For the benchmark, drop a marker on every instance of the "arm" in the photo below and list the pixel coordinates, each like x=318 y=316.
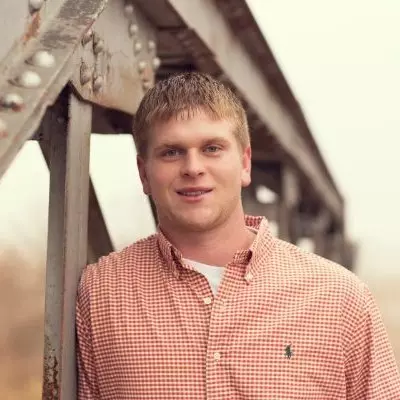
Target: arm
x=371 y=371
x=87 y=378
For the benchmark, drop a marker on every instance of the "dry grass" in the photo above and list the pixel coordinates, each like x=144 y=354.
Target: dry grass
x=21 y=329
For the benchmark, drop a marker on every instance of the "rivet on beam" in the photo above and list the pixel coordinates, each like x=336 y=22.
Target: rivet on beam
x=85 y=74
x=87 y=37
x=138 y=47
x=42 y=58
x=129 y=9
x=97 y=83
x=28 y=79
x=142 y=66
x=156 y=63
x=151 y=45
x=133 y=29
x=98 y=46
x=35 y=5
x=146 y=85
x=96 y=38
x=12 y=101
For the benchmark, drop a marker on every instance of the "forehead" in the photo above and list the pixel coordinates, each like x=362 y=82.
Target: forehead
x=190 y=129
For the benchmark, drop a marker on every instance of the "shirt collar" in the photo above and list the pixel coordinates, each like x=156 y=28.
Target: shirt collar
x=251 y=259
x=262 y=246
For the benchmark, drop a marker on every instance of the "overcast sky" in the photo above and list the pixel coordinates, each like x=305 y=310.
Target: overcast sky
x=342 y=59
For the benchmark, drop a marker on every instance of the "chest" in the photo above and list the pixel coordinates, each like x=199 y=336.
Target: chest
x=190 y=344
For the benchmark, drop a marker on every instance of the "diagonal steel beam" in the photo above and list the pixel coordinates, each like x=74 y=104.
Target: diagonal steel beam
x=37 y=71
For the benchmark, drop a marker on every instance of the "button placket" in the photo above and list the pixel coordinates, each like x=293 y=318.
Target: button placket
x=198 y=283
x=221 y=323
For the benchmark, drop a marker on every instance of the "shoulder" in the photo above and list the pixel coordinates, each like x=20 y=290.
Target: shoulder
x=121 y=265
x=311 y=273
x=326 y=287
x=306 y=266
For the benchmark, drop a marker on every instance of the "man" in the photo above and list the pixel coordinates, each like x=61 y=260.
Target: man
x=213 y=306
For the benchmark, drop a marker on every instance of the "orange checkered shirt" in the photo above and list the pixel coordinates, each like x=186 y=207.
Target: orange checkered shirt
x=285 y=324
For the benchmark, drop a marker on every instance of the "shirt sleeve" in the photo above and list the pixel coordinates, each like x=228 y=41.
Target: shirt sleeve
x=87 y=377
x=371 y=370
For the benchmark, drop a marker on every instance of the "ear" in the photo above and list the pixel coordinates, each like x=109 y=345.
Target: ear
x=141 y=165
x=246 y=167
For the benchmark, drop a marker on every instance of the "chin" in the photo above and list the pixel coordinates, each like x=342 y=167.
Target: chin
x=198 y=223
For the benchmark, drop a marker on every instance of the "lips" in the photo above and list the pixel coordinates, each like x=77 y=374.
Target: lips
x=193 y=192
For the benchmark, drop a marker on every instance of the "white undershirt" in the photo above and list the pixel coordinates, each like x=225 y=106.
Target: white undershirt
x=211 y=272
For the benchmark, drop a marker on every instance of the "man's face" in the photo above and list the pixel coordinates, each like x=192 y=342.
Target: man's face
x=194 y=171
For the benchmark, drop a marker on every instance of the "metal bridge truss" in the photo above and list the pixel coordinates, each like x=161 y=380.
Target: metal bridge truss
x=72 y=67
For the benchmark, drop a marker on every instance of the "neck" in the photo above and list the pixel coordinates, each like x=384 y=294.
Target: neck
x=213 y=247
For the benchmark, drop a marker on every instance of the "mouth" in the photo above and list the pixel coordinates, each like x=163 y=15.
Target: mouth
x=193 y=192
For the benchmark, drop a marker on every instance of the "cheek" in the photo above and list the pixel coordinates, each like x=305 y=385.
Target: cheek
x=230 y=173
x=161 y=178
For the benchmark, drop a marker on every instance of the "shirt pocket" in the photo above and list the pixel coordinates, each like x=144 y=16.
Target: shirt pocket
x=289 y=357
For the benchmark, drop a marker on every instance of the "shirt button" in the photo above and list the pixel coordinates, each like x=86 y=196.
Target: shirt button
x=248 y=277
x=217 y=356
x=207 y=300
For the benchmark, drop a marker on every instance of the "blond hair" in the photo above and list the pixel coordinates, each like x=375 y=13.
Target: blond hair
x=183 y=95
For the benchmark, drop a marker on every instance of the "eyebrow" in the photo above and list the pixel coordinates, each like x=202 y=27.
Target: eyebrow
x=174 y=145
x=165 y=146
x=217 y=139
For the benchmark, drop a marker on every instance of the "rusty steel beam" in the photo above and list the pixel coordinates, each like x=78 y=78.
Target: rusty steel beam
x=320 y=229
x=67 y=246
x=289 y=198
x=249 y=33
x=203 y=18
x=13 y=23
x=253 y=207
x=118 y=59
x=38 y=67
x=99 y=239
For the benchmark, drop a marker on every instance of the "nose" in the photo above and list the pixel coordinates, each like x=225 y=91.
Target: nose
x=192 y=165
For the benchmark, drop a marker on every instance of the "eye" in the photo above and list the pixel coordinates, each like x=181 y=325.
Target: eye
x=212 y=149
x=171 y=153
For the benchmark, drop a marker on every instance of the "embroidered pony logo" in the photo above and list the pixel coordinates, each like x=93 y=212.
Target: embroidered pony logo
x=288 y=351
